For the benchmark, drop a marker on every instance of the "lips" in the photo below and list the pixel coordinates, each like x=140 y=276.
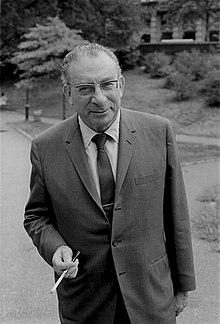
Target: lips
x=99 y=111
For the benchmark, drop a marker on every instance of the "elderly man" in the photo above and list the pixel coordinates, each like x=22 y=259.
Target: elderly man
x=107 y=182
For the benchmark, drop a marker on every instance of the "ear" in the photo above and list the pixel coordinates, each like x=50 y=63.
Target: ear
x=121 y=84
x=68 y=93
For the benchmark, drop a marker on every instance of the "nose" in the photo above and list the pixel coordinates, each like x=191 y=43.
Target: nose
x=98 y=96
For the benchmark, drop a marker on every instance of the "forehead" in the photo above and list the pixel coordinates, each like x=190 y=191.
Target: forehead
x=94 y=68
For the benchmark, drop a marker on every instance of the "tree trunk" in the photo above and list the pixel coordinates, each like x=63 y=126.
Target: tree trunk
x=207 y=27
x=64 y=107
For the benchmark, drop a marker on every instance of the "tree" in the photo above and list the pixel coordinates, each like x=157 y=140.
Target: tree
x=39 y=56
x=109 y=22
x=112 y=23
x=16 y=19
x=184 y=11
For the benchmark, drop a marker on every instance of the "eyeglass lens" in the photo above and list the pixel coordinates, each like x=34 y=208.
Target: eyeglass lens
x=89 y=89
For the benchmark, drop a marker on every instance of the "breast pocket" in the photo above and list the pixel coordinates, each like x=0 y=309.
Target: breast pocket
x=150 y=182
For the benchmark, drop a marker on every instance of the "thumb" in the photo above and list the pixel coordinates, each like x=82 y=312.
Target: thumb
x=66 y=254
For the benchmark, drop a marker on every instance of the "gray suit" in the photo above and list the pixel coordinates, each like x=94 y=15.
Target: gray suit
x=147 y=249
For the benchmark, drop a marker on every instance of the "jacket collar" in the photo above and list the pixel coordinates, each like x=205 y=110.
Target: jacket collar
x=75 y=149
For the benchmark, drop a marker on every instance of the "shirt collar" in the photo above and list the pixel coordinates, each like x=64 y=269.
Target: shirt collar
x=88 y=133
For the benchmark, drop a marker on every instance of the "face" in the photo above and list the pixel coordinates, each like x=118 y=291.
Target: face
x=99 y=109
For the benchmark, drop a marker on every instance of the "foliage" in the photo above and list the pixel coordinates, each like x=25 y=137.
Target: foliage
x=17 y=17
x=110 y=22
x=209 y=194
x=129 y=56
x=206 y=223
x=210 y=85
x=211 y=88
x=157 y=64
x=42 y=50
x=189 y=69
x=182 y=84
x=185 y=11
x=192 y=64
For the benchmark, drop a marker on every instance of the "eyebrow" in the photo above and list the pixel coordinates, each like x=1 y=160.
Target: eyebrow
x=106 y=79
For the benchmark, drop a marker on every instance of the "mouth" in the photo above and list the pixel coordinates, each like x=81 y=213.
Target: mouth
x=100 y=112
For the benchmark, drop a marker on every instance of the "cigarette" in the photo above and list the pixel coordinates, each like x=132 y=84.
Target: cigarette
x=62 y=275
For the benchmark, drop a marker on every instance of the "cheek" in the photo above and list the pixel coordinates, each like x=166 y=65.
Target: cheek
x=80 y=107
x=116 y=100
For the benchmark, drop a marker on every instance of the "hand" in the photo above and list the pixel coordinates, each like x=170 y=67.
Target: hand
x=181 y=301
x=62 y=260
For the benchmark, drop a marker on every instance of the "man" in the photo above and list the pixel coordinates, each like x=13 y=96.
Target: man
x=135 y=263
x=3 y=100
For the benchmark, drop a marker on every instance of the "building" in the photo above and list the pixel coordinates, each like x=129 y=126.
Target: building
x=158 y=30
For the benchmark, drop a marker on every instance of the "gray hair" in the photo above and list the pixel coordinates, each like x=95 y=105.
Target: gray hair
x=89 y=50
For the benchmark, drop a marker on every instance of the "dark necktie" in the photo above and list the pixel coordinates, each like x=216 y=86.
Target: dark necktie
x=106 y=178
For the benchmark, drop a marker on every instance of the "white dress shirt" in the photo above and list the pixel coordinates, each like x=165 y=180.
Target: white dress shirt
x=111 y=147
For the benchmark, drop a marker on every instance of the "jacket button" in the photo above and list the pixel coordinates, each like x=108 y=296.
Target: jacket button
x=115 y=243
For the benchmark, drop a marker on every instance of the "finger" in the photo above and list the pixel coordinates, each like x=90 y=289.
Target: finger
x=66 y=255
x=60 y=259
x=178 y=310
x=73 y=270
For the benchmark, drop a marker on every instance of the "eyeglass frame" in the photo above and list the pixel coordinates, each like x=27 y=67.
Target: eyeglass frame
x=92 y=85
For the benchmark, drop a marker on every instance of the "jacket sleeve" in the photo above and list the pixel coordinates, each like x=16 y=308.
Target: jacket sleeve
x=39 y=218
x=176 y=221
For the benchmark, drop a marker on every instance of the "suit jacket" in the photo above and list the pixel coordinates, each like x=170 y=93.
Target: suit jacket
x=147 y=250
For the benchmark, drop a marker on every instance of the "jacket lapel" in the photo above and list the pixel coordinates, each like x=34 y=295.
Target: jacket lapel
x=77 y=154
x=76 y=151
x=127 y=142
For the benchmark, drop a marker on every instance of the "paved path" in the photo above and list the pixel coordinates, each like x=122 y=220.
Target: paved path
x=26 y=279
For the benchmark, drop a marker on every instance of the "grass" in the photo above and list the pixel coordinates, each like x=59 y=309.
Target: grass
x=206 y=223
x=210 y=194
x=31 y=128
x=141 y=93
x=188 y=152
x=195 y=153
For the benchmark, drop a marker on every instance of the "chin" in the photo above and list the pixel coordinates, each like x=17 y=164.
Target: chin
x=102 y=125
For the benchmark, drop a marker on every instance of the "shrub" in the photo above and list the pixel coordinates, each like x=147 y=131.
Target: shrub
x=182 y=84
x=206 y=222
x=209 y=194
x=170 y=81
x=193 y=64
x=157 y=64
x=128 y=58
x=211 y=87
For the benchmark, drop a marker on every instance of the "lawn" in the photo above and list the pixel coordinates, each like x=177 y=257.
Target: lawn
x=189 y=152
x=141 y=93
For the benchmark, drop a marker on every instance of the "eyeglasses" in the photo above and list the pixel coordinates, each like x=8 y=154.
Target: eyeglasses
x=87 y=90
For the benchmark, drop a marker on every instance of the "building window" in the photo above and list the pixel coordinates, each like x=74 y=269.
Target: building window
x=189 y=35
x=214 y=36
x=163 y=18
x=145 y=38
x=167 y=35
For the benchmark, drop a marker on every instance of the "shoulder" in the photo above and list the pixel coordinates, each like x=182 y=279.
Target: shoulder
x=143 y=119
x=58 y=132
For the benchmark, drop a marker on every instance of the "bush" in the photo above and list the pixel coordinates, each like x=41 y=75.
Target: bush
x=193 y=64
x=211 y=83
x=128 y=58
x=206 y=222
x=157 y=64
x=170 y=81
x=182 y=84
